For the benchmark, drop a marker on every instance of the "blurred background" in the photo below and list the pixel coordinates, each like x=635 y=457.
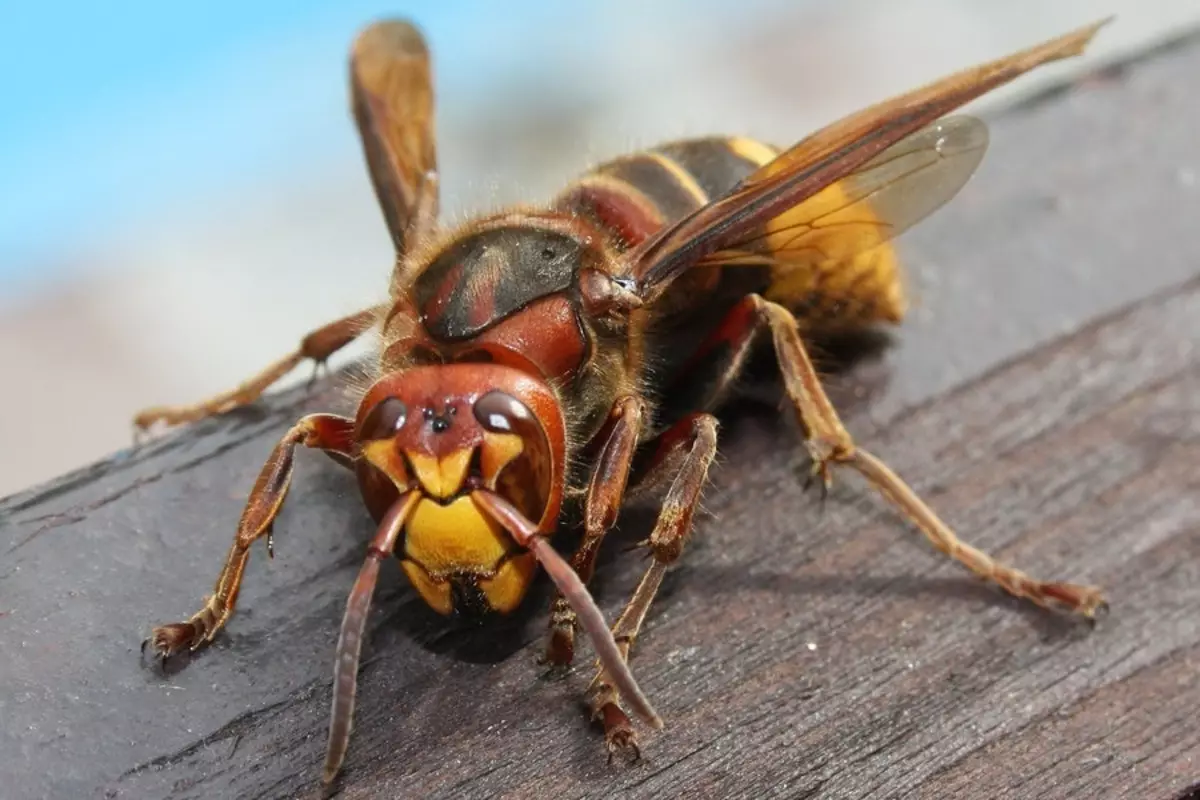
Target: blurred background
x=182 y=194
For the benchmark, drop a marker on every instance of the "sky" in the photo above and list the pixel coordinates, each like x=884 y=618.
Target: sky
x=109 y=109
x=110 y=113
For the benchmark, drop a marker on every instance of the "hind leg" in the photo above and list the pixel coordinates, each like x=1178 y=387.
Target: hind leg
x=831 y=445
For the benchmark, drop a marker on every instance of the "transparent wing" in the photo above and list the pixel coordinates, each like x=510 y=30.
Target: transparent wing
x=827 y=157
x=874 y=204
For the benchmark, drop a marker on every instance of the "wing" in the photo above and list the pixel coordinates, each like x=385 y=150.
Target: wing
x=875 y=203
x=826 y=157
x=392 y=94
x=832 y=248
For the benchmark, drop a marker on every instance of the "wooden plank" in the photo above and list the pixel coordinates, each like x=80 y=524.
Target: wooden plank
x=1048 y=406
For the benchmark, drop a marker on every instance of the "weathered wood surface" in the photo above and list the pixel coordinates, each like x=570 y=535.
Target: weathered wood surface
x=1045 y=398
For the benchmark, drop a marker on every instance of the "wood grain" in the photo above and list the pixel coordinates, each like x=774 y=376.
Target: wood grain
x=1045 y=400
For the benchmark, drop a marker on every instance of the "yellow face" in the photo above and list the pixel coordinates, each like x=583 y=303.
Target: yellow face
x=457 y=557
x=452 y=543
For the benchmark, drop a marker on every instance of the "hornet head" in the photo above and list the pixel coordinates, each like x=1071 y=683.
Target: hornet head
x=444 y=431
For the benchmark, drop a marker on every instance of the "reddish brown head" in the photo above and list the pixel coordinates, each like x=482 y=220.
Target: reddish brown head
x=444 y=431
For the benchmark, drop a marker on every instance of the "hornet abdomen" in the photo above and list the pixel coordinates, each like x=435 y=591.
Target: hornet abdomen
x=828 y=286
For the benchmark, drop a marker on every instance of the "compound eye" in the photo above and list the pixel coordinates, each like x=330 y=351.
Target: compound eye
x=500 y=412
x=385 y=420
x=516 y=457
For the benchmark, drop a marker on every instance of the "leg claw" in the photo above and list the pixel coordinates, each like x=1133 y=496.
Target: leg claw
x=618 y=733
x=560 y=651
x=170 y=640
x=1085 y=600
x=167 y=640
x=623 y=740
x=319 y=369
x=820 y=468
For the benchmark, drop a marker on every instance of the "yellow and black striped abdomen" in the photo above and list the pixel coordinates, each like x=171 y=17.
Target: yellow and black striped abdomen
x=716 y=164
x=831 y=272
x=632 y=196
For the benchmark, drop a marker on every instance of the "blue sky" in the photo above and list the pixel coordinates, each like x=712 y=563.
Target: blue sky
x=107 y=108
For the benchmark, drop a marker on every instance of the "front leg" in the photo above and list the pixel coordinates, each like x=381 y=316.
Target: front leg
x=604 y=494
x=327 y=432
x=685 y=451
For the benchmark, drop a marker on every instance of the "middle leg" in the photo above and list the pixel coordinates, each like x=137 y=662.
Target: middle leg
x=686 y=451
x=317 y=347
